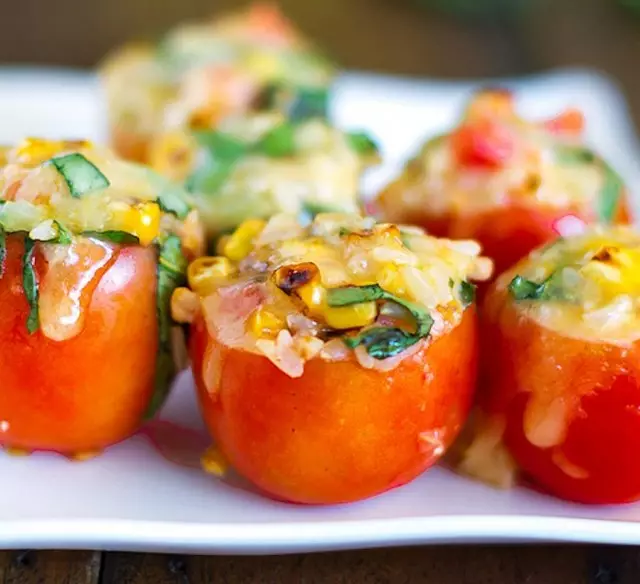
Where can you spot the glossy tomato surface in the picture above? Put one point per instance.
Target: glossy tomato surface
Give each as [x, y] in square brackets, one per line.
[571, 407]
[87, 392]
[340, 432]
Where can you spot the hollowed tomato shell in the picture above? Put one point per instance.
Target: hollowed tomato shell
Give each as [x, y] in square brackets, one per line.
[339, 432]
[90, 391]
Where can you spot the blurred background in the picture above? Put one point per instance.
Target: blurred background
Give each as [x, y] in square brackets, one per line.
[441, 38]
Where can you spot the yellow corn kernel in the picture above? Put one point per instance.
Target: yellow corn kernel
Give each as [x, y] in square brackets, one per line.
[239, 244]
[204, 274]
[147, 223]
[213, 462]
[346, 317]
[36, 150]
[264, 323]
[389, 278]
[314, 296]
[185, 305]
[173, 154]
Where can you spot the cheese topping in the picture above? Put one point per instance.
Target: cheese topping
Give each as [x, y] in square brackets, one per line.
[263, 164]
[586, 286]
[202, 72]
[496, 158]
[294, 293]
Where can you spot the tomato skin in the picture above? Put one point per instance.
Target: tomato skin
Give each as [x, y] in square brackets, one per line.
[90, 391]
[595, 461]
[340, 432]
[483, 143]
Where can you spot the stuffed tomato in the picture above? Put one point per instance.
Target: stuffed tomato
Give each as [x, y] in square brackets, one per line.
[335, 361]
[201, 72]
[561, 381]
[262, 164]
[510, 184]
[91, 249]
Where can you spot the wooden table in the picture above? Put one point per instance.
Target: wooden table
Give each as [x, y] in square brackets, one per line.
[432, 565]
[383, 35]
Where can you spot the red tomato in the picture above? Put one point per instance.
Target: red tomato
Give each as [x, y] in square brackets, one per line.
[340, 432]
[90, 391]
[571, 406]
[484, 143]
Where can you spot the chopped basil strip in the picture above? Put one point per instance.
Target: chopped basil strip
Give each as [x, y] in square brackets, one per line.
[3, 249]
[220, 153]
[64, 235]
[466, 293]
[382, 342]
[362, 143]
[122, 237]
[278, 142]
[171, 201]
[170, 274]
[297, 103]
[523, 289]
[612, 187]
[80, 174]
[610, 194]
[30, 286]
[357, 294]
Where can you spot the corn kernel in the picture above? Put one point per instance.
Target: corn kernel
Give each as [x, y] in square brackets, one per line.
[314, 296]
[147, 223]
[213, 462]
[173, 155]
[185, 305]
[346, 317]
[204, 274]
[389, 279]
[239, 244]
[36, 150]
[264, 323]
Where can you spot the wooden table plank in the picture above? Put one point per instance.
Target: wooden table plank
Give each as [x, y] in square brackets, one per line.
[50, 567]
[428, 565]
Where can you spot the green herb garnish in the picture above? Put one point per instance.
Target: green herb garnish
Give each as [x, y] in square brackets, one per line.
[382, 342]
[121, 237]
[362, 143]
[171, 201]
[64, 236]
[523, 289]
[466, 293]
[278, 142]
[297, 103]
[171, 270]
[80, 174]
[30, 285]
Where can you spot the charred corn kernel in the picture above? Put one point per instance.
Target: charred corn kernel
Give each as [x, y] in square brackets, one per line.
[173, 154]
[185, 305]
[264, 323]
[346, 317]
[204, 274]
[213, 462]
[314, 296]
[147, 223]
[389, 278]
[239, 244]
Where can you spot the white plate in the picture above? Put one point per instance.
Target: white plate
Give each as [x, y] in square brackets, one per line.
[132, 498]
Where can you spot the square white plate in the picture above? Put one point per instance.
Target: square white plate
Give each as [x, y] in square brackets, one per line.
[133, 498]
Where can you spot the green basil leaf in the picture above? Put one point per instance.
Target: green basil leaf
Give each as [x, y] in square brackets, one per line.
[574, 155]
[278, 142]
[30, 285]
[297, 103]
[382, 342]
[523, 289]
[362, 143]
[466, 293]
[356, 294]
[121, 237]
[65, 236]
[80, 174]
[218, 156]
[170, 274]
[610, 194]
[171, 201]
